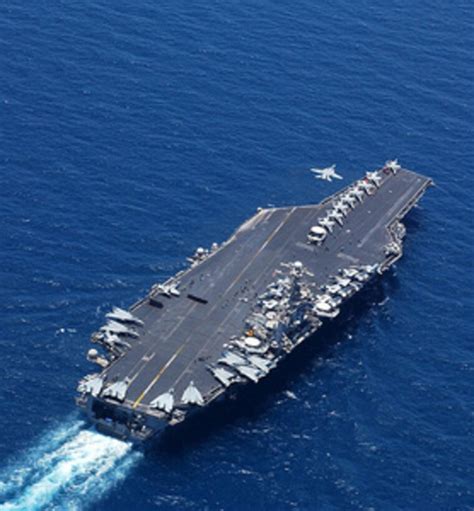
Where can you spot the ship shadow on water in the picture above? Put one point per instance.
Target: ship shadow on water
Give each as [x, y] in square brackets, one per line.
[250, 401]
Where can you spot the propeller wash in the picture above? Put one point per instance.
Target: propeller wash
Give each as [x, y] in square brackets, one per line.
[243, 306]
[70, 468]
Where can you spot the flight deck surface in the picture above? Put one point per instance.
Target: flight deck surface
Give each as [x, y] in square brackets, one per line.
[183, 336]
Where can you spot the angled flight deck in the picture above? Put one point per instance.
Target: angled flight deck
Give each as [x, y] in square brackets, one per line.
[244, 305]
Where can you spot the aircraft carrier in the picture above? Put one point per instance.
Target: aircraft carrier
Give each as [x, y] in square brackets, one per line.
[244, 305]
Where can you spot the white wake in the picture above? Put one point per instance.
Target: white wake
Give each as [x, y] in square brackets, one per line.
[70, 468]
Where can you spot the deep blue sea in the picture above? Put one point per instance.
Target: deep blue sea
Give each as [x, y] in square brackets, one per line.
[133, 132]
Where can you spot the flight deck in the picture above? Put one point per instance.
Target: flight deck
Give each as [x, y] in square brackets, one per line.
[242, 306]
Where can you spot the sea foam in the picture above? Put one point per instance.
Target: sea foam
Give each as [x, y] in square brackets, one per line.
[69, 468]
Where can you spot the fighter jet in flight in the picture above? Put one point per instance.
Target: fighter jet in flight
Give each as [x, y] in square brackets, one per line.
[327, 173]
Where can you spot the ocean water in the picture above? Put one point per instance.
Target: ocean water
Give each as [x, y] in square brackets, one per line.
[133, 132]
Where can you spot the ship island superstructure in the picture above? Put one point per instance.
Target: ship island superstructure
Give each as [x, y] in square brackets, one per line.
[244, 305]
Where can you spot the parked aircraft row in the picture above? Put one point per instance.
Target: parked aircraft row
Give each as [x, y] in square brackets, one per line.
[342, 206]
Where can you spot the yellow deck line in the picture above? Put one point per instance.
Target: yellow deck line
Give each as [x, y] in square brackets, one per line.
[262, 247]
[232, 310]
[157, 377]
[170, 361]
[137, 364]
